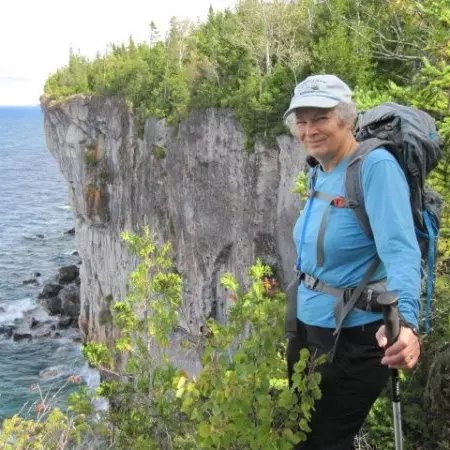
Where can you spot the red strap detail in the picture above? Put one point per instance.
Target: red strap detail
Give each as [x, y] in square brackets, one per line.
[339, 202]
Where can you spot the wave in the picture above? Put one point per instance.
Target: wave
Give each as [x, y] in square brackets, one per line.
[91, 377]
[41, 236]
[16, 310]
[34, 237]
[54, 372]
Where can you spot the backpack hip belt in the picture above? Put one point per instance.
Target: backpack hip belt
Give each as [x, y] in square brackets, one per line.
[367, 301]
[347, 299]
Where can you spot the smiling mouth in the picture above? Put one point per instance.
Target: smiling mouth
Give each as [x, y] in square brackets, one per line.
[315, 142]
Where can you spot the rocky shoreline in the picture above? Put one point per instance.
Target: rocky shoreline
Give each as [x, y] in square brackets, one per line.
[60, 300]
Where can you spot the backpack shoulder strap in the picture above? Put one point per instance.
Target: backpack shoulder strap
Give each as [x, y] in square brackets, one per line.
[312, 178]
[353, 185]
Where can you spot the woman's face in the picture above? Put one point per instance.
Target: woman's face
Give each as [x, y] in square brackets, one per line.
[323, 134]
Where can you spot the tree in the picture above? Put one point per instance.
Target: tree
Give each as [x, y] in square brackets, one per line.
[154, 34]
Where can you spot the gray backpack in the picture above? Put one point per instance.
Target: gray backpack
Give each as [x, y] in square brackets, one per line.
[411, 136]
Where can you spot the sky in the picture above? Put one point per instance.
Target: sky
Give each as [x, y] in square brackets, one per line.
[36, 35]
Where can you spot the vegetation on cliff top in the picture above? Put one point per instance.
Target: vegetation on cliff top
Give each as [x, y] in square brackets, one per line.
[250, 59]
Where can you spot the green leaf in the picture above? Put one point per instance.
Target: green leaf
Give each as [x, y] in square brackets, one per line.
[181, 382]
[290, 436]
[204, 429]
[303, 425]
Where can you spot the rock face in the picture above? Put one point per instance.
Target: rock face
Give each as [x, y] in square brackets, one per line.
[194, 185]
[63, 298]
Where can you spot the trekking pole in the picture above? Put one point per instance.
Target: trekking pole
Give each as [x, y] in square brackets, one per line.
[391, 317]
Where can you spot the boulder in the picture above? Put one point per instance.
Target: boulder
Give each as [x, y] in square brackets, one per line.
[7, 330]
[50, 290]
[69, 298]
[22, 336]
[64, 323]
[68, 274]
[52, 305]
[51, 372]
[36, 280]
[47, 334]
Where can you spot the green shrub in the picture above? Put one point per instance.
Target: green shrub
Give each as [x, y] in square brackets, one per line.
[159, 152]
[239, 398]
[90, 159]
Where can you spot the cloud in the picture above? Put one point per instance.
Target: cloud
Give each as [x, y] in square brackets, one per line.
[37, 43]
[19, 93]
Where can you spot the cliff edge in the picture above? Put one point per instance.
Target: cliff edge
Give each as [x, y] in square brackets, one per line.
[194, 185]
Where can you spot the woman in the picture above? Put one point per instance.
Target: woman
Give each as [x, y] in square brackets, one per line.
[322, 116]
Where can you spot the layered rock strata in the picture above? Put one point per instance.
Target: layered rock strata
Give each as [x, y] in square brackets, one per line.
[194, 185]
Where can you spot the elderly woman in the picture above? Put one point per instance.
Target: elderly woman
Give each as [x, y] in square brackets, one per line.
[322, 116]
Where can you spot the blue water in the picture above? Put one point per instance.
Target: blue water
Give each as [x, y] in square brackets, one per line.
[34, 218]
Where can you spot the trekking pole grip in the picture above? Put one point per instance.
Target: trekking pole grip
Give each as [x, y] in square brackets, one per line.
[388, 301]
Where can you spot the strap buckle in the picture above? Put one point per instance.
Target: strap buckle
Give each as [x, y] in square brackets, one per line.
[311, 282]
[314, 285]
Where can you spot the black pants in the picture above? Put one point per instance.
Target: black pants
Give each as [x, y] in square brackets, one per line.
[350, 384]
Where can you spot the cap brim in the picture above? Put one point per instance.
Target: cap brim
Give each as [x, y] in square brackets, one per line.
[311, 102]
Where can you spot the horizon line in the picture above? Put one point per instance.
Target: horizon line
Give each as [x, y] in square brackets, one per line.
[27, 105]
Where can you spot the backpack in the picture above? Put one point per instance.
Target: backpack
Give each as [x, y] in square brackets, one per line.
[410, 135]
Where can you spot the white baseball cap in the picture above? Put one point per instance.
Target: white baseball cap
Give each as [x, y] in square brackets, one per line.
[319, 91]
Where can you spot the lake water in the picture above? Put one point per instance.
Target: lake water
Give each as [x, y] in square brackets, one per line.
[34, 220]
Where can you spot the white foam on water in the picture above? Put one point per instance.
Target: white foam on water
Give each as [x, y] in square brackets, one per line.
[92, 379]
[34, 236]
[65, 207]
[54, 372]
[90, 376]
[16, 310]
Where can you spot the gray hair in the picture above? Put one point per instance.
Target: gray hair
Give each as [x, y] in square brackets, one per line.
[346, 112]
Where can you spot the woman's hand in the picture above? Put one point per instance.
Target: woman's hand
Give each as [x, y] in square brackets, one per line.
[404, 353]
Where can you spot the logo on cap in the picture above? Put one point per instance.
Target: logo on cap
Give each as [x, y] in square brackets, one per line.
[311, 85]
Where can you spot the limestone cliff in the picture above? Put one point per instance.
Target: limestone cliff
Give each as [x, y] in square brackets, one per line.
[194, 185]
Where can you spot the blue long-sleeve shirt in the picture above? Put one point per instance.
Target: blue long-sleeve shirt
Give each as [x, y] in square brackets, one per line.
[349, 251]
